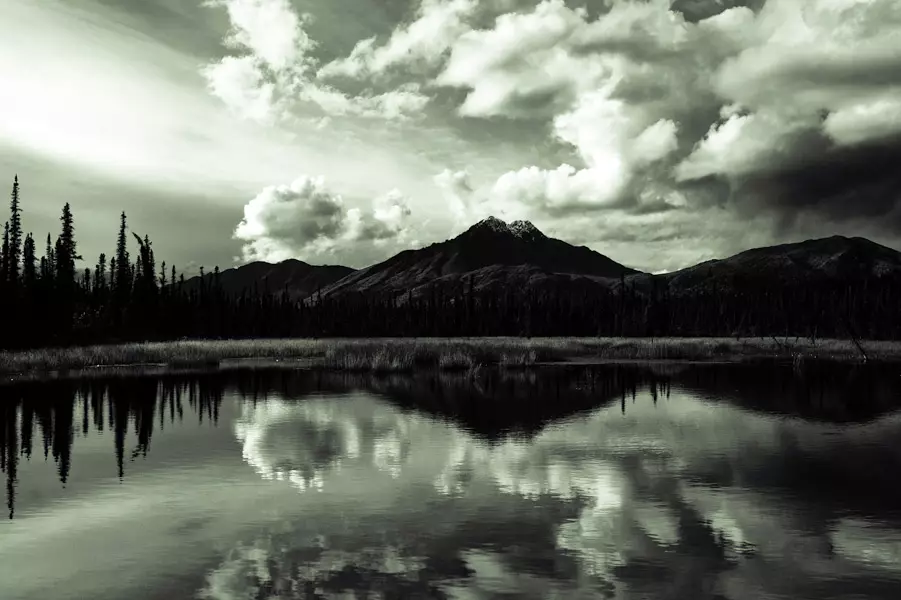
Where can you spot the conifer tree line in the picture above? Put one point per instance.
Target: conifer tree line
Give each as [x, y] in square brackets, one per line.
[54, 299]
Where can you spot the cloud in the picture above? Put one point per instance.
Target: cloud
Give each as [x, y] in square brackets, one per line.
[386, 222]
[520, 66]
[242, 85]
[868, 120]
[555, 63]
[273, 77]
[458, 191]
[419, 45]
[307, 218]
[665, 104]
[270, 29]
[613, 140]
[817, 83]
[742, 144]
[398, 104]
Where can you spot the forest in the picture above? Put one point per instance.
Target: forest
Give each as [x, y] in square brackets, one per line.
[52, 300]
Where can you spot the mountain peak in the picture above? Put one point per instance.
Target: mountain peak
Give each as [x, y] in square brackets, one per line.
[520, 229]
[525, 229]
[492, 223]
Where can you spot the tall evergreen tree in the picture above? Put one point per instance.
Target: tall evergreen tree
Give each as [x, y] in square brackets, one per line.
[29, 258]
[100, 274]
[14, 254]
[113, 269]
[50, 262]
[67, 252]
[65, 276]
[123, 264]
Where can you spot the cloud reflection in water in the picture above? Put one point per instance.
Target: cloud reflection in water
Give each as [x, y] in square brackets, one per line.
[683, 498]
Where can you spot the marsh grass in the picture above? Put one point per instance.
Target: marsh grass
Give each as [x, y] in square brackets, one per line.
[460, 354]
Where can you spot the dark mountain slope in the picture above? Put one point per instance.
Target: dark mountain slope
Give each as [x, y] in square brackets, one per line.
[834, 259]
[496, 254]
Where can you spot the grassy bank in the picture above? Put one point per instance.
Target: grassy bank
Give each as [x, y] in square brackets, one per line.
[401, 354]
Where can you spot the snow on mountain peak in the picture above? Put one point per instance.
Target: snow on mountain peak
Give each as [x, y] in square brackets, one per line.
[520, 229]
[493, 224]
[524, 229]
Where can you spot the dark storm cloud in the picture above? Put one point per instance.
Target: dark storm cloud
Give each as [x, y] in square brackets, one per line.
[843, 184]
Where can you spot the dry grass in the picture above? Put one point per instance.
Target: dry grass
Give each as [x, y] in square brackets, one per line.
[464, 354]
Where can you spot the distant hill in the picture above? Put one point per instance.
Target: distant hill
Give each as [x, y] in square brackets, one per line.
[495, 255]
[300, 278]
[831, 259]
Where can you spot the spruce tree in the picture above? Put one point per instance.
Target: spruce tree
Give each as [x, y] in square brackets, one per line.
[113, 269]
[123, 264]
[29, 258]
[66, 285]
[100, 274]
[50, 262]
[66, 251]
[14, 253]
[151, 262]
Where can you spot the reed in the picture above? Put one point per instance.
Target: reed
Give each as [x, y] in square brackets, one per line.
[463, 354]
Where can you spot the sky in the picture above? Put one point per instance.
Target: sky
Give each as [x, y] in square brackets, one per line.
[657, 132]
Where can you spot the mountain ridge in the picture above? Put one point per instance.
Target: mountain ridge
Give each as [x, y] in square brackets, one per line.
[300, 278]
[493, 255]
[816, 260]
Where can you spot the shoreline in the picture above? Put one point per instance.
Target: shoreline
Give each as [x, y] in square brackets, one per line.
[406, 354]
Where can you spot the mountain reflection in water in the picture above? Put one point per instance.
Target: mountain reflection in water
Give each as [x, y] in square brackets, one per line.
[627, 481]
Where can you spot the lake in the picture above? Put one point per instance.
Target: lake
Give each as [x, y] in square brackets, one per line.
[618, 481]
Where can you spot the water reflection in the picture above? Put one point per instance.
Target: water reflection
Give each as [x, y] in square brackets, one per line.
[616, 482]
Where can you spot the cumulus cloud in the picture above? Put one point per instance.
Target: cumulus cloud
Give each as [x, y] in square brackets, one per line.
[613, 140]
[742, 144]
[867, 120]
[458, 191]
[386, 221]
[556, 62]
[418, 45]
[653, 96]
[274, 73]
[307, 218]
[521, 65]
[241, 84]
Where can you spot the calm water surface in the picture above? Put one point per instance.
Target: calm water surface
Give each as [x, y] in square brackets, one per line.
[624, 482]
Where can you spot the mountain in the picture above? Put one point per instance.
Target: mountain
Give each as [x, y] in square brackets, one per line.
[500, 256]
[831, 259]
[496, 255]
[300, 278]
